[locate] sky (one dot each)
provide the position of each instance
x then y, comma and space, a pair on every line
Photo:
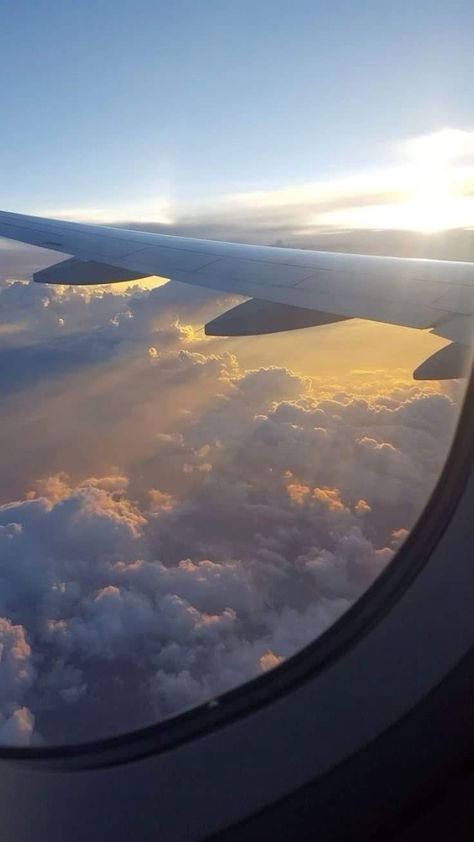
180, 513
137, 109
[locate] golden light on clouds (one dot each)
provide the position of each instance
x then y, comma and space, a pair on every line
358, 355
114, 289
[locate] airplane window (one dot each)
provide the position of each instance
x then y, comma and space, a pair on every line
200, 476
182, 512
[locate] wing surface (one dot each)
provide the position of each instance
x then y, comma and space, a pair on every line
404, 291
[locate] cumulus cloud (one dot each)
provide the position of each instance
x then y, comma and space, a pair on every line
16, 677
178, 515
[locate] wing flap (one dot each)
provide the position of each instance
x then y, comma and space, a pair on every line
449, 363
457, 328
74, 271
254, 317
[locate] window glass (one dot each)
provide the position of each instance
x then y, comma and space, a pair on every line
179, 512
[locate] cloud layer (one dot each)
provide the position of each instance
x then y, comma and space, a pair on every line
176, 520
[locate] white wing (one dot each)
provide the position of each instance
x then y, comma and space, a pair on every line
404, 291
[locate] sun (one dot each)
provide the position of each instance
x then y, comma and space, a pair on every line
437, 200
430, 190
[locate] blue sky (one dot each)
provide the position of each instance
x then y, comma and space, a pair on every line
117, 102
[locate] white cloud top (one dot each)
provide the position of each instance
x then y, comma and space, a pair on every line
176, 522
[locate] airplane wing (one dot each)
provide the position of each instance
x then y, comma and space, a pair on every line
291, 288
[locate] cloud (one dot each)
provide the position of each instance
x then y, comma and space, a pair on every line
145, 210
16, 677
176, 522
428, 189
144, 609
